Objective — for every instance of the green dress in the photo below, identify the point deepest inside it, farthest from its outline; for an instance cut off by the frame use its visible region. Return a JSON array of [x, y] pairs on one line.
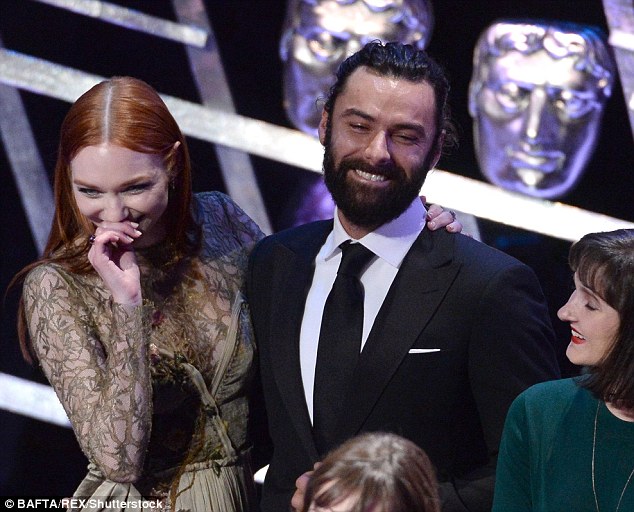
[[545, 460], [157, 394]]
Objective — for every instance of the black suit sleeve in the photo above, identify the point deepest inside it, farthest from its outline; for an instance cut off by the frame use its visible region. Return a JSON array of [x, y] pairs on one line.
[[258, 422]]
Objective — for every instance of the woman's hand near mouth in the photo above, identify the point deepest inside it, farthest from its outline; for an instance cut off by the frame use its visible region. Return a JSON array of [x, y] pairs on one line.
[[112, 256]]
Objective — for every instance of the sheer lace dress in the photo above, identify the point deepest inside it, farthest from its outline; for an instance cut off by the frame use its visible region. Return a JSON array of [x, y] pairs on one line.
[[157, 394]]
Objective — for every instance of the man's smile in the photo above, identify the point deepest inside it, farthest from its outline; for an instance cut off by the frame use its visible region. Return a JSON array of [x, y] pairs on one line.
[[370, 176]]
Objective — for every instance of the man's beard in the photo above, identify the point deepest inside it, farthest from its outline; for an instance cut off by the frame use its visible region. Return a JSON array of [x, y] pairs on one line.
[[369, 207]]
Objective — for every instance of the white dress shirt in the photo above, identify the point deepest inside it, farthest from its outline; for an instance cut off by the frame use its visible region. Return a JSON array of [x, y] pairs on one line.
[[390, 243]]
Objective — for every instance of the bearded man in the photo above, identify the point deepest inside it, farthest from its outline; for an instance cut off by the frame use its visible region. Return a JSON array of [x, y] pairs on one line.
[[373, 322]]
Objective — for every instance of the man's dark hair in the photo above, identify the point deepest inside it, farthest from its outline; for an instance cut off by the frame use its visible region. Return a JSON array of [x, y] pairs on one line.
[[400, 60]]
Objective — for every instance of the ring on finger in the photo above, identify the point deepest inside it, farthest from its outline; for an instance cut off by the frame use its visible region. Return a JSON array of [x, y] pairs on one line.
[[453, 214], [91, 239]]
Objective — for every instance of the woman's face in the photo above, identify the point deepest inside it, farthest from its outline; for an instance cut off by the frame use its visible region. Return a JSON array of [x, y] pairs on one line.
[[594, 324], [112, 185]]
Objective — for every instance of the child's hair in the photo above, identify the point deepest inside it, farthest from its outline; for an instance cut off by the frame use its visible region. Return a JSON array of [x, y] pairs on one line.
[[381, 471]]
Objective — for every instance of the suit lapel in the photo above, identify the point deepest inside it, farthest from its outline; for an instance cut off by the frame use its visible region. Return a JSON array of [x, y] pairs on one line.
[[418, 289], [293, 276]]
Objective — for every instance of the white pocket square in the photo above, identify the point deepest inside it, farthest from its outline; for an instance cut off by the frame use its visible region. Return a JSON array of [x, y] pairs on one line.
[[423, 350]]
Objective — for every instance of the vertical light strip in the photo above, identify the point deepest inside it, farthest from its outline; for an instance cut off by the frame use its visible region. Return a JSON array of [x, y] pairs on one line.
[[620, 17], [210, 78], [28, 171]]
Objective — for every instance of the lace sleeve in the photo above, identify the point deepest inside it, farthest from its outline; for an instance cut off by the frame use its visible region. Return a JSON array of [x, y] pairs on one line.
[[217, 211], [103, 382]]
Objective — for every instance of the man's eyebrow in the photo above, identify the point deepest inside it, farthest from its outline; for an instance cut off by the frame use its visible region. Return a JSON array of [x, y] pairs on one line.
[[418, 128], [349, 112]]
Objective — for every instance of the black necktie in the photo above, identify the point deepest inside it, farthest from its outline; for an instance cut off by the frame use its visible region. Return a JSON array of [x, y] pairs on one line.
[[339, 344]]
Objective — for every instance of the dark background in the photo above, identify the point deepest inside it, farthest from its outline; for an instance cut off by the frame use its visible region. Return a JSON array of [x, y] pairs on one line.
[[39, 459]]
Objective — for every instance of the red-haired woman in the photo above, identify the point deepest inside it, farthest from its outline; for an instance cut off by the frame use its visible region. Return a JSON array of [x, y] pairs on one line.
[[135, 311]]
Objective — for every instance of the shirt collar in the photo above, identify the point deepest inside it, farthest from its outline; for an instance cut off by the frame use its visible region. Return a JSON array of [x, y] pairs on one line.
[[390, 242]]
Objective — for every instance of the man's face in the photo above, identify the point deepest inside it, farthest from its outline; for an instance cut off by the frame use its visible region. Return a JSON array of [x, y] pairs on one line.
[[328, 32], [536, 120], [380, 143]]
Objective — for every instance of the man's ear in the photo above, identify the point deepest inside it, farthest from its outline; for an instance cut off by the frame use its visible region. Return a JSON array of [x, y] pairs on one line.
[[322, 127], [437, 150]]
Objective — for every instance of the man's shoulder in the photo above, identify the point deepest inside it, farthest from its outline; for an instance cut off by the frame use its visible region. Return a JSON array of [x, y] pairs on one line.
[[468, 251], [478, 248], [296, 237], [308, 230]]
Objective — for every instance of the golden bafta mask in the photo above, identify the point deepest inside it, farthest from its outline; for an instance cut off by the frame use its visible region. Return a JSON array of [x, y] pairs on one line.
[[319, 34], [536, 97]]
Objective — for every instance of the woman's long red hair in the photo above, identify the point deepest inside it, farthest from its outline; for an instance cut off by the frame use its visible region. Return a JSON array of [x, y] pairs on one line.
[[129, 113]]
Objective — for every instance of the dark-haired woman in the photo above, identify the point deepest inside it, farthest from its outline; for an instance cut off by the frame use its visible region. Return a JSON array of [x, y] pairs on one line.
[[568, 445]]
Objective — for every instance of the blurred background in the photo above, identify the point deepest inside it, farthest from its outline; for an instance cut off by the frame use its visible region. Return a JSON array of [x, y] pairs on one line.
[[39, 458]]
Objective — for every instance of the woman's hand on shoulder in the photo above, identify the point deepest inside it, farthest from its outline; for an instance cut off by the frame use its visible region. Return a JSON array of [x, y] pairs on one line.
[[112, 256], [438, 217]]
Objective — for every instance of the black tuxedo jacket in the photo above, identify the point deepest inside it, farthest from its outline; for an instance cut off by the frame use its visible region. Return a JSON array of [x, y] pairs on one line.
[[483, 309]]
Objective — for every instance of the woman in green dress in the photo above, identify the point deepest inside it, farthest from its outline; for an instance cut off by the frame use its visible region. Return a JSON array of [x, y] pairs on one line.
[[568, 445]]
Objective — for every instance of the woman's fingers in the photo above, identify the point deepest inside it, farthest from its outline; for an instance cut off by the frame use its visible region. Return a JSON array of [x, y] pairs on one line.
[[112, 256], [127, 232], [438, 218]]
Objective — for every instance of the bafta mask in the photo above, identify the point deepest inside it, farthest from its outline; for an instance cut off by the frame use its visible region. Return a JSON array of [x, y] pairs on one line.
[[319, 34], [536, 98]]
